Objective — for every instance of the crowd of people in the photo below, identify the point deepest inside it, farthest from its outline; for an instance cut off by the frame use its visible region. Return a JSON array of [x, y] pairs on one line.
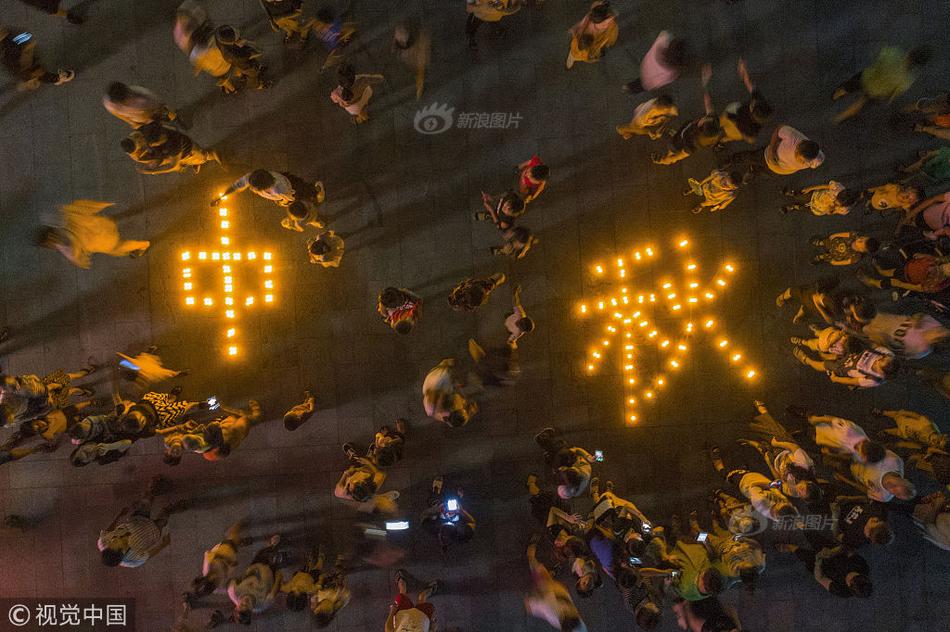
[[790, 491]]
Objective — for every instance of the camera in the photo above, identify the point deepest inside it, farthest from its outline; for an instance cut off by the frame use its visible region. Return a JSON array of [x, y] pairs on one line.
[[397, 525], [636, 561], [702, 536], [599, 456], [452, 504], [213, 403]]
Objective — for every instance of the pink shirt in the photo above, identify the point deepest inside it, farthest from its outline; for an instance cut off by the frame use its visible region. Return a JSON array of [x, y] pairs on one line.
[[654, 73], [780, 156]]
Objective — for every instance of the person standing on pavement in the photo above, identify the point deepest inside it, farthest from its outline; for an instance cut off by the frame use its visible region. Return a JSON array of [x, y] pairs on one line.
[[532, 178], [217, 564], [253, 592], [297, 196], [353, 92], [668, 58], [744, 120], [161, 148], [696, 134], [299, 414], [572, 465], [326, 249], [517, 322], [443, 397], [650, 118], [287, 16]]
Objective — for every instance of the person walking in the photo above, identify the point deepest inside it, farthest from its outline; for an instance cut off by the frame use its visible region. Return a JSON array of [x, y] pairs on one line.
[[135, 536], [532, 178], [666, 60], [399, 308], [326, 249], [822, 199], [491, 11], [744, 120], [502, 210], [253, 592], [161, 148], [443, 395], [137, 106], [518, 323], [80, 232], [473, 292], [593, 35], [891, 74], [299, 414], [287, 16], [18, 56], [718, 190], [217, 565], [843, 249], [651, 118], [696, 134], [549, 599], [412, 45], [353, 92], [406, 616]]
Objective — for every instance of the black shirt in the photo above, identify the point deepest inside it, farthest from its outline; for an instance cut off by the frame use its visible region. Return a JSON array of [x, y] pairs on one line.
[[838, 567], [746, 123], [853, 517]]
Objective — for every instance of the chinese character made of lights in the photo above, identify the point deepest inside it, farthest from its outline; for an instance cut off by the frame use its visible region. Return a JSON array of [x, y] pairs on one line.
[[234, 268], [629, 314]]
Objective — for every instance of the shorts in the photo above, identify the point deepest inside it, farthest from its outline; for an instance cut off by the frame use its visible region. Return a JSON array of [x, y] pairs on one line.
[[403, 602]]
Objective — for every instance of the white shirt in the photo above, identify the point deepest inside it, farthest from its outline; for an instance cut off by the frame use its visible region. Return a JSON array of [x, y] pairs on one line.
[[905, 335], [839, 434], [781, 157], [438, 381], [654, 73], [870, 475]]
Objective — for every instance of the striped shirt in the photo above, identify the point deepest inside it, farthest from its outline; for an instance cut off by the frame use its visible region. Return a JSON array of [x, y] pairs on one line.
[[143, 536]]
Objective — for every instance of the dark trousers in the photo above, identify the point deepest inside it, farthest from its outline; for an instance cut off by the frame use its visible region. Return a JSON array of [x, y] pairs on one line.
[[471, 25], [851, 85]]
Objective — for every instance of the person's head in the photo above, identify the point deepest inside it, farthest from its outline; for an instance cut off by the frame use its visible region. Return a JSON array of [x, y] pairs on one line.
[[50, 237], [785, 510], [887, 365], [747, 575], [298, 209], [318, 248], [709, 582], [601, 12], [878, 532], [322, 611], [112, 555], [893, 195], [402, 36], [261, 179], [128, 144], [539, 173], [403, 327], [677, 54], [647, 615], [866, 244], [35, 427], [585, 41], [226, 34], [938, 440], [363, 490], [81, 431], [118, 91], [202, 585], [586, 584], [173, 451], [709, 125], [346, 93], [242, 613], [525, 324], [512, 204], [808, 150], [809, 491], [847, 198], [297, 601], [456, 419], [83, 455], [870, 451], [859, 585], [391, 297], [193, 443], [761, 110], [920, 56], [896, 484], [568, 477], [133, 421], [346, 74]]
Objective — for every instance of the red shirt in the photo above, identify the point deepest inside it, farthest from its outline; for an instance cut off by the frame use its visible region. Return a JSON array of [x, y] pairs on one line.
[[527, 186]]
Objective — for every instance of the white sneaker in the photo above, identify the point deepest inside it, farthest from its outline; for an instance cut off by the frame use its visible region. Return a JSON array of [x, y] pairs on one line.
[[65, 76]]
